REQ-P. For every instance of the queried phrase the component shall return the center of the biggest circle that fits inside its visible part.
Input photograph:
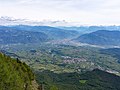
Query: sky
(84, 12)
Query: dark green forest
(91, 80)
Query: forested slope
(15, 75)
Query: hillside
(15, 75)
(51, 32)
(12, 36)
(92, 80)
(114, 52)
(102, 37)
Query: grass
(82, 81)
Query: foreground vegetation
(14, 75)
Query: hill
(15, 75)
(101, 37)
(114, 52)
(13, 36)
(91, 80)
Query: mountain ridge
(51, 32)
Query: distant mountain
(91, 80)
(13, 36)
(15, 75)
(90, 29)
(51, 32)
(101, 37)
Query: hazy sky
(82, 11)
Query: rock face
(15, 75)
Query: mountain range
(52, 32)
(32, 34)
(90, 29)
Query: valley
(63, 57)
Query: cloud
(83, 11)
